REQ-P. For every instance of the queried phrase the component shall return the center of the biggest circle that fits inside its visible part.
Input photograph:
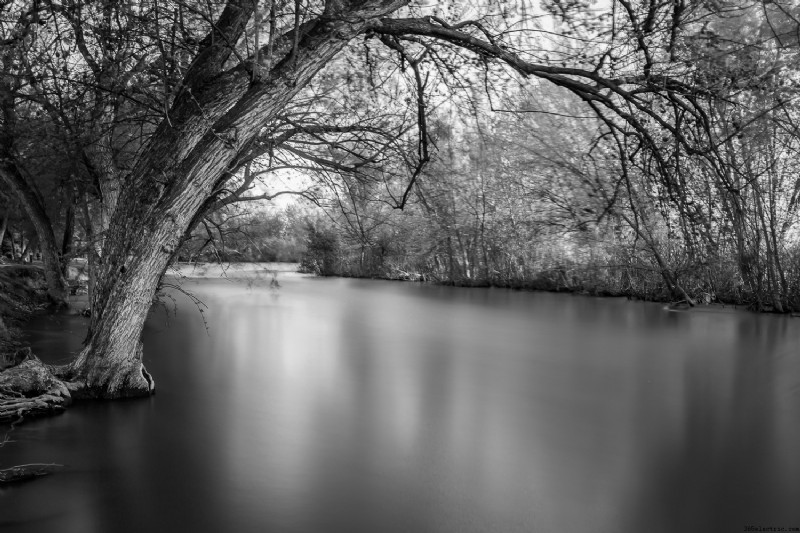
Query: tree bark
(69, 232)
(13, 241)
(3, 227)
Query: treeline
(243, 234)
(635, 148)
(548, 197)
(526, 207)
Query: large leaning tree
(205, 80)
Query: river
(334, 405)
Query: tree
(208, 99)
(11, 173)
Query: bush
(322, 251)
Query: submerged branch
(16, 474)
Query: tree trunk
(56, 283)
(69, 233)
(209, 125)
(13, 245)
(92, 253)
(3, 226)
(28, 249)
(675, 289)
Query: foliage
(240, 234)
(322, 253)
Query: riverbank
(229, 270)
(28, 387)
(23, 291)
(269, 271)
(564, 283)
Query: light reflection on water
(346, 405)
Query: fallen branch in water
(25, 472)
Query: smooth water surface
(335, 405)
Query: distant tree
(322, 250)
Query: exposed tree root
(106, 377)
(29, 389)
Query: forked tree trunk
(172, 181)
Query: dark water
(365, 406)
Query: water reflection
(343, 405)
